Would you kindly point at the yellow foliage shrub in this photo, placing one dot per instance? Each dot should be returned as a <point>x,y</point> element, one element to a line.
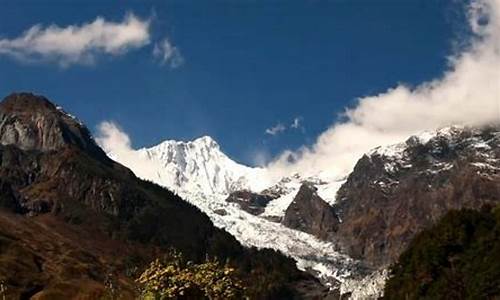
<point>174,279</point>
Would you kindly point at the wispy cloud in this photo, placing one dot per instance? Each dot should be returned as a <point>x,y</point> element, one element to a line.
<point>296,123</point>
<point>276,129</point>
<point>77,44</point>
<point>117,144</point>
<point>168,54</point>
<point>280,127</point>
<point>468,93</point>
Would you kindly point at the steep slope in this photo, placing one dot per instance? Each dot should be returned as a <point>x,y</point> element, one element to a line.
<point>47,258</point>
<point>51,170</point>
<point>311,214</point>
<point>395,192</point>
<point>457,257</point>
<point>34,123</point>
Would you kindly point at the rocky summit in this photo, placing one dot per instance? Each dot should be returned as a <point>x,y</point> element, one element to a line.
<point>32,122</point>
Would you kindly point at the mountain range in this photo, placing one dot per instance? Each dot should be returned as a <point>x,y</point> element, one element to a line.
<point>73,219</point>
<point>347,232</point>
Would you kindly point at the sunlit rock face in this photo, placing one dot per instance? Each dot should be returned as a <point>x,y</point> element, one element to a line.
<point>394,192</point>
<point>32,122</point>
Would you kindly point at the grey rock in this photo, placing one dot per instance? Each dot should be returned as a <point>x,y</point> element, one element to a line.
<point>309,213</point>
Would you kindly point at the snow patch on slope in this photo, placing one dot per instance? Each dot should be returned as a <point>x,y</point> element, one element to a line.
<point>288,187</point>
<point>369,287</point>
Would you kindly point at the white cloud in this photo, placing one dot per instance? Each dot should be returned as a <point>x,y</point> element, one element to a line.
<point>117,144</point>
<point>468,93</point>
<point>278,128</point>
<point>296,123</point>
<point>168,54</point>
<point>77,44</point>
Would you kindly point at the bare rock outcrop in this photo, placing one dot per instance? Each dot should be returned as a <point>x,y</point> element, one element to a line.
<point>250,202</point>
<point>309,213</point>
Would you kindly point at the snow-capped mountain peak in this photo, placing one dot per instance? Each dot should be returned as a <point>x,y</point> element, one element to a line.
<point>440,147</point>
<point>198,166</point>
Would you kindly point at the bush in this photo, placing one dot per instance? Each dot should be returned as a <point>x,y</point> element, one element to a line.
<point>172,278</point>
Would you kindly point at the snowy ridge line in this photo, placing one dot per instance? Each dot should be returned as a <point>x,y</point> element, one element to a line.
<point>201,165</point>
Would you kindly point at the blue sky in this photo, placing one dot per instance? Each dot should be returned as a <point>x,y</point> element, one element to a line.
<point>243,66</point>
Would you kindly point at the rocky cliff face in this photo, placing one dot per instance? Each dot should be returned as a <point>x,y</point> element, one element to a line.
<point>253,203</point>
<point>309,213</point>
<point>395,192</point>
<point>32,122</point>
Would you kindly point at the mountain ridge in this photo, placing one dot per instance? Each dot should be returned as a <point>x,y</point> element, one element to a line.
<point>191,163</point>
<point>394,192</point>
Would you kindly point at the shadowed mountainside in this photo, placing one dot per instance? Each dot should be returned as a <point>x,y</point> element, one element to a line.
<point>458,258</point>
